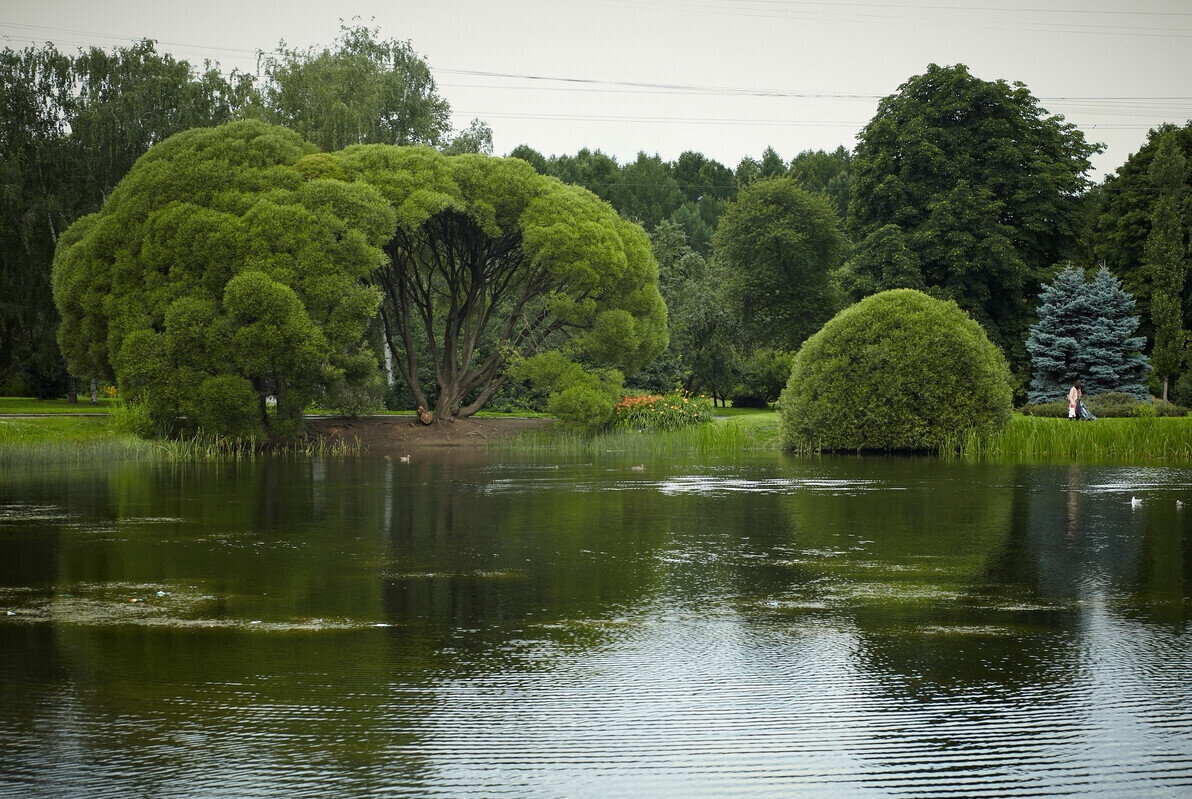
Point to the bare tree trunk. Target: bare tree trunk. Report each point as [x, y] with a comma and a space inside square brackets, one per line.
[262, 405]
[485, 395]
[94, 392]
[72, 390]
[389, 379]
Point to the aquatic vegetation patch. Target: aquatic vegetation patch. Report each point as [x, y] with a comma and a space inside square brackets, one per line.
[87, 440]
[899, 592]
[20, 512]
[479, 574]
[713, 485]
[723, 437]
[145, 605]
[1138, 440]
[967, 630]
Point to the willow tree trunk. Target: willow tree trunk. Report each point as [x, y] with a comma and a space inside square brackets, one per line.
[463, 300]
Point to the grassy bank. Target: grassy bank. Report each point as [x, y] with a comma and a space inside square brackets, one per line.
[1162, 440]
[27, 440]
[1024, 439]
[744, 432]
[81, 438]
[88, 439]
[25, 405]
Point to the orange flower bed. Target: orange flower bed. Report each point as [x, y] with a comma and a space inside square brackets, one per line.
[654, 412]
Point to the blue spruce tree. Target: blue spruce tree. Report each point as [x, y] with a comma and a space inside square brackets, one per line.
[1085, 332]
[1055, 352]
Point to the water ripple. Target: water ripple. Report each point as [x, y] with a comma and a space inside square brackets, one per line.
[713, 485]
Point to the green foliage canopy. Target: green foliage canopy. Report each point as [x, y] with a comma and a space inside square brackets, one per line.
[779, 243]
[827, 173]
[362, 90]
[1122, 221]
[702, 354]
[222, 270]
[1165, 259]
[646, 191]
[764, 375]
[972, 191]
[476, 138]
[897, 371]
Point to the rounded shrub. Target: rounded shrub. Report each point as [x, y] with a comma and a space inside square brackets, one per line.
[897, 371]
[228, 405]
[133, 419]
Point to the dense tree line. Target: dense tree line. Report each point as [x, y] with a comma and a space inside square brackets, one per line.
[964, 188]
[73, 126]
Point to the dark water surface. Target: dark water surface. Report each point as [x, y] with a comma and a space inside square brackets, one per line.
[486, 625]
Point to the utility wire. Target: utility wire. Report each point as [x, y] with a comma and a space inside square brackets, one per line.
[858, 124]
[610, 85]
[886, 13]
[1107, 105]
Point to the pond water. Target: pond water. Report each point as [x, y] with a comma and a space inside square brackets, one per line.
[479, 625]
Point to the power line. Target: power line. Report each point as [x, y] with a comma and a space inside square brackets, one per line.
[858, 124]
[612, 85]
[999, 9]
[659, 120]
[615, 86]
[885, 13]
[679, 87]
[86, 35]
[1107, 105]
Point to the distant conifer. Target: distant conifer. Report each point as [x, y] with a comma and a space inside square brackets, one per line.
[1086, 332]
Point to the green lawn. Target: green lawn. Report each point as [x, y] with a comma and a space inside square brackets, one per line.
[733, 412]
[1025, 439]
[62, 429]
[29, 405]
[47, 439]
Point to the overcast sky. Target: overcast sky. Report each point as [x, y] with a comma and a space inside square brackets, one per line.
[724, 77]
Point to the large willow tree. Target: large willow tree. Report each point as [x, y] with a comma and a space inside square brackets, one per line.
[492, 264]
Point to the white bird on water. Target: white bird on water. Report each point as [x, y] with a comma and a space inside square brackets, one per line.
[1135, 502]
